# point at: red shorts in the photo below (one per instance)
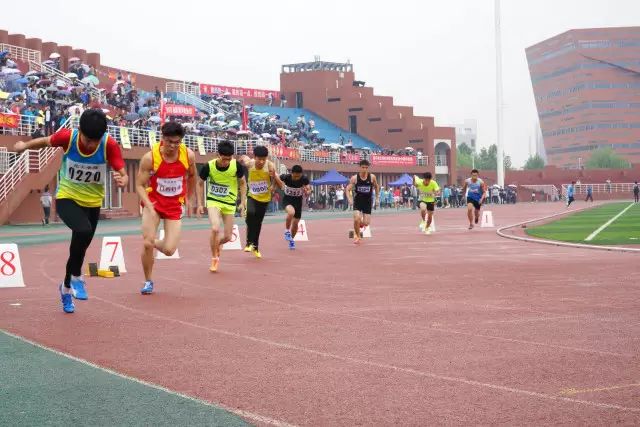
(167, 208)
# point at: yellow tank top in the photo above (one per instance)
(259, 183)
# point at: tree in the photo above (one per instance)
(464, 156)
(606, 158)
(534, 162)
(487, 159)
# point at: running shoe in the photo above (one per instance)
(292, 244)
(256, 252)
(422, 225)
(78, 289)
(67, 301)
(470, 226)
(214, 264)
(477, 218)
(248, 248)
(147, 288)
(287, 235)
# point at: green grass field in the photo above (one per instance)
(625, 230)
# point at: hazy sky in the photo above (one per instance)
(433, 55)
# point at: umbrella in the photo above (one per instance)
(143, 111)
(61, 83)
(74, 59)
(237, 101)
(512, 186)
(44, 82)
(64, 92)
(7, 70)
(205, 127)
(54, 55)
(244, 132)
(265, 135)
(231, 130)
(315, 132)
(132, 116)
(47, 62)
(495, 186)
(32, 73)
(71, 76)
(233, 123)
(154, 119)
(52, 89)
(22, 81)
(408, 148)
(90, 80)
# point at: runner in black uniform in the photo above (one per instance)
(364, 183)
(295, 185)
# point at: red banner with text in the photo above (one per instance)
(239, 92)
(382, 160)
(9, 120)
(179, 110)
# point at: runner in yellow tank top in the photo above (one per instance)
(261, 177)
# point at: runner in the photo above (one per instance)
(295, 185)
(364, 183)
(427, 204)
(636, 192)
(222, 175)
(166, 178)
(476, 190)
(80, 192)
(259, 180)
(570, 193)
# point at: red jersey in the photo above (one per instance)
(168, 184)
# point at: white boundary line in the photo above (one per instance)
(500, 232)
(608, 223)
(239, 412)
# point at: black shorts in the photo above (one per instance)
(476, 203)
(363, 206)
(296, 203)
(431, 206)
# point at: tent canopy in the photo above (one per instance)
(332, 177)
(405, 179)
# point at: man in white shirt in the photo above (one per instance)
(340, 198)
(45, 201)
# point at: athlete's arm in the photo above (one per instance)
(204, 174)
(243, 194)
(34, 144)
(191, 173)
(275, 177)
(347, 190)
(377, 187)
(246, 161)
(144, 174)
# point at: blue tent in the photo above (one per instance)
(405, 179)
(331, 178)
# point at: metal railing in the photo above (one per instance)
(43, 68)
(182, 87)
(7, 159)
(441, 159)
(14, 175)
(21, 53)
(197, 102)
(614, 187)
(549, 190)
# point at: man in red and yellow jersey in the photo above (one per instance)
(166, 178)
(82, 177)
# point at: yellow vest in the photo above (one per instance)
(259, 183)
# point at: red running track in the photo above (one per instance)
(460, 327)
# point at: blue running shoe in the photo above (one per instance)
(147, 288)
(77, 289)
(67, 301)
(292, 244)
(287, 235)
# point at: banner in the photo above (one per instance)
(9, 120)
(382, 160)
(239, 92)
(350, 158)
(179, 110)
(285, 152)
(124, 138)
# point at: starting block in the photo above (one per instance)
(105, 273)
(487, 219)
(92, 269)
(351, 234)
(302, 234)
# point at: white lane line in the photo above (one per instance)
(608, 223)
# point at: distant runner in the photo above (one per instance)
(476, 191)
(363, 183)
(295, 186)
(427, 204)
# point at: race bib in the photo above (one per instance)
(218, 190)
(169, 187)
(84, 173)
(294, 192)
(258, 187)
(363, 189)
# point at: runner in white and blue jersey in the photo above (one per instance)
(476, 190)
(570, 193)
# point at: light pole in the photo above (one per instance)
(499, 103)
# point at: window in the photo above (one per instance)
(394, 130)
(333, 100)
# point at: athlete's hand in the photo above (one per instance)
(242, 208)
(200, 211)
(151, 208)
(20, 146)
(121, 180)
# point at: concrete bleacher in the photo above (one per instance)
(329, 131)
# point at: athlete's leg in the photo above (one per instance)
(366, 220)
(82, 222)
(261, 210)
(227, 220)
(357, 220)
(215, 219)
(172, 231)
(294, 227)
(251, 221)
(150, 222)
(470, 209)
(429, 219)
(290, 211)
(423, 211)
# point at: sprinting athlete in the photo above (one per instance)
(222, 176)
(260, 175)
(80, 192)
(363, 184)
(570, 193)
(476, 191)
(295, 186)
(166, 178)
(427, 204)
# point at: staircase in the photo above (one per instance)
(329, 131)
(43, 68)
(190, 94)
(31, 170)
